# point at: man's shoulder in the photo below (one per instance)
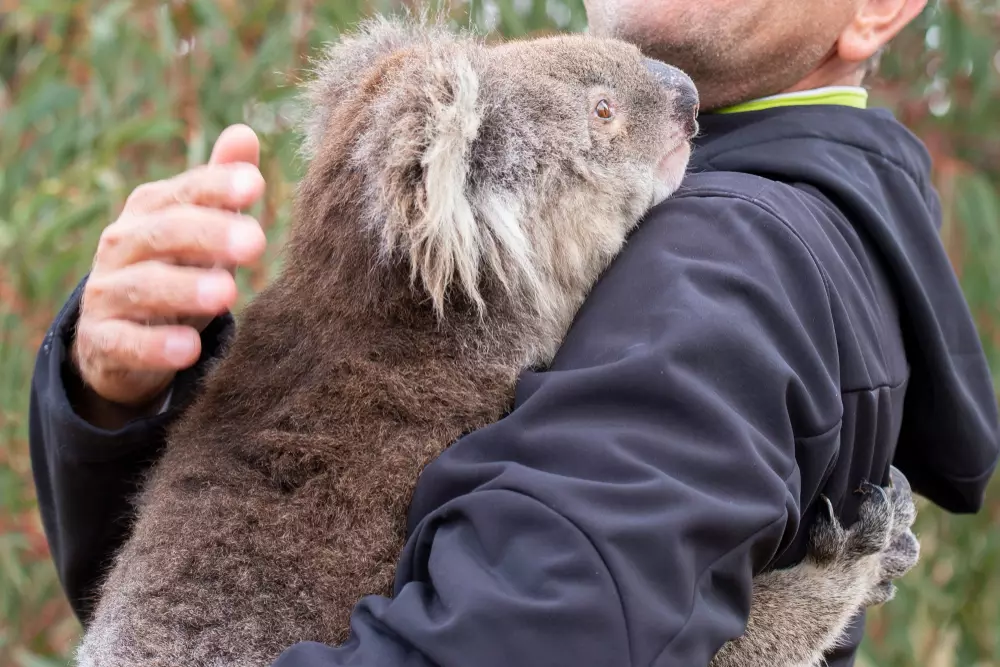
(758, 238)
(727, 207)
(725, 184)
(787, 219)
(783, 202)
(719, 252)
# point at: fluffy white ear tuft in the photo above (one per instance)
(418, 129)
(416, 154)
(445, 243)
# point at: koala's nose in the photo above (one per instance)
(686, 99)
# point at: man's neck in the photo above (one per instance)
(833, 82)
(830, 75)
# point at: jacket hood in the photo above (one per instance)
(878, 173)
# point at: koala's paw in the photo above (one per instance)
(879, 547)
(904, 549)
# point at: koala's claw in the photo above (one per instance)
(880, 593)
(873, 530)
(898, 481)
(883, 530)
(827, 538)
(904, 509)
(902, 554)
(831, 514)
(868, 488)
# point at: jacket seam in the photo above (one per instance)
(891, 386)
(755, 200)
(827, 431)
(824, 201)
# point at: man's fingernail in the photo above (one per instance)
(212, 291)
(178, 349)
(244, 241)
(245, 182)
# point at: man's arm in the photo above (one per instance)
(86, 476)
(618, 514)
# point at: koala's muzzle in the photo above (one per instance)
(685, 93)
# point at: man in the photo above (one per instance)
(786, 325)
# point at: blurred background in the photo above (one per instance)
(97, 97)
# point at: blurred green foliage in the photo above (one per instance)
(99, 96)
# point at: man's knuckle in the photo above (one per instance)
(169, 289)
(185, 189)
(84, 351)
(131, 348)
(192, 185)
(207, 238)
(95, 291)
(85, 339)
(111, 238)
(143, 194)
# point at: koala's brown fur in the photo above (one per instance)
(460, 201)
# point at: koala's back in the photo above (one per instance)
(259, 531)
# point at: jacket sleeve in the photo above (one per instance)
(618, 514)
(86, 477)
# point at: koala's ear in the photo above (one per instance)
(443, 237)
(417, 87)
(340, 72)
(417, 155)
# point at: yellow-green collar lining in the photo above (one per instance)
(849, 96)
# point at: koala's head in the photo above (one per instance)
(514, 169)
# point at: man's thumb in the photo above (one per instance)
(237, 143)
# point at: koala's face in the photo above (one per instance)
(522, 165)
(607, 123)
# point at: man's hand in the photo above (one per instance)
(152, 288)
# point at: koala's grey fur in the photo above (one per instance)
(460, 201)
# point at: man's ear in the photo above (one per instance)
(875, 23)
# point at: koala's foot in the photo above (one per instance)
(800, 613)
(883, 530)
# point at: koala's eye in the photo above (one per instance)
(603, 110)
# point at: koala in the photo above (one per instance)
(461, 199)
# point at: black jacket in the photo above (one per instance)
(787, 324)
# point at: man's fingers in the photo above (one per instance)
(110, 346)
(150, 290)
(225, 186)
(237, 143)
(146, 272)
(184, 235)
